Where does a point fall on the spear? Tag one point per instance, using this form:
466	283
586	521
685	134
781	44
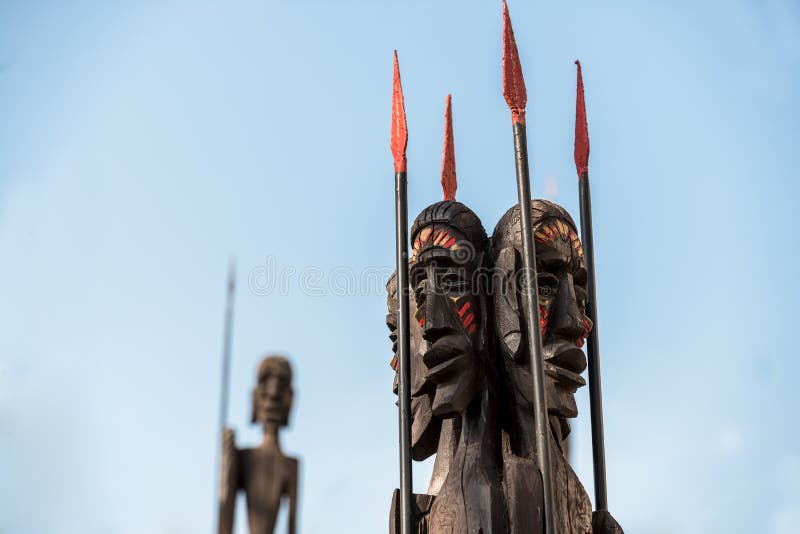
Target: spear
593	342
226	361
516	98
399	141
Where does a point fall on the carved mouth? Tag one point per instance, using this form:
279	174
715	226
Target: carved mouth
445	369
273	409
565	361
568	379
445	358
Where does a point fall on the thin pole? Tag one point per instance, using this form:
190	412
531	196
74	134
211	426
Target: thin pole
532	322
227	341
404	363
593	350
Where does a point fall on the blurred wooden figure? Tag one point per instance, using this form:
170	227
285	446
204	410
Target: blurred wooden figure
266	475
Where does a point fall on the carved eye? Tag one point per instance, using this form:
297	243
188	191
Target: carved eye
419	291
456	286
548	285
453	282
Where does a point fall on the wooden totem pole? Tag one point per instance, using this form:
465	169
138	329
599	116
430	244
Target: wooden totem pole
494	354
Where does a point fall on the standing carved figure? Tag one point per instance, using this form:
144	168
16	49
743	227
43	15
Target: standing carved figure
453	316
564	326
266	475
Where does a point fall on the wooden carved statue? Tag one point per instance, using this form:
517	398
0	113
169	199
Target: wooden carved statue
471	385
474	409
264	473
562	277
488	370
456	391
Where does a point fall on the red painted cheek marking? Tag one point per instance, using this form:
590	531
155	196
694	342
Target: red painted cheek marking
586	330
544	317
468	320
421	321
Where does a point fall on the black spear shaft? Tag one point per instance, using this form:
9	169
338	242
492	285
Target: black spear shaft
593	349
398	143
593	343
403	350
532	320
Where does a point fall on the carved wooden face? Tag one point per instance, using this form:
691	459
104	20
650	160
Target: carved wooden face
425	429
272	396
416	343
450	314
562	300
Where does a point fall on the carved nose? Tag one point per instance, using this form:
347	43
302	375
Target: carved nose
566	317
273	388
439	319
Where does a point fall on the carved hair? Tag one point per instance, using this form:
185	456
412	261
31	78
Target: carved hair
507	231
453	214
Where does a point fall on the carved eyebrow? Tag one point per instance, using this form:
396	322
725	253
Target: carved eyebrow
440	236
439	260
555	261
572	262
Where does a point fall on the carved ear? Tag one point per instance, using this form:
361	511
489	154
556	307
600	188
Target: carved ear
506	306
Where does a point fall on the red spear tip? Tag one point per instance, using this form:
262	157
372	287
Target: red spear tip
449	183
513	83
399	139
581	129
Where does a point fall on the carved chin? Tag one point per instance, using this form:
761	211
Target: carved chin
452	398
561	401
273	414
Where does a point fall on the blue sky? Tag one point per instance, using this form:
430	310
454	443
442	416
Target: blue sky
143	143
